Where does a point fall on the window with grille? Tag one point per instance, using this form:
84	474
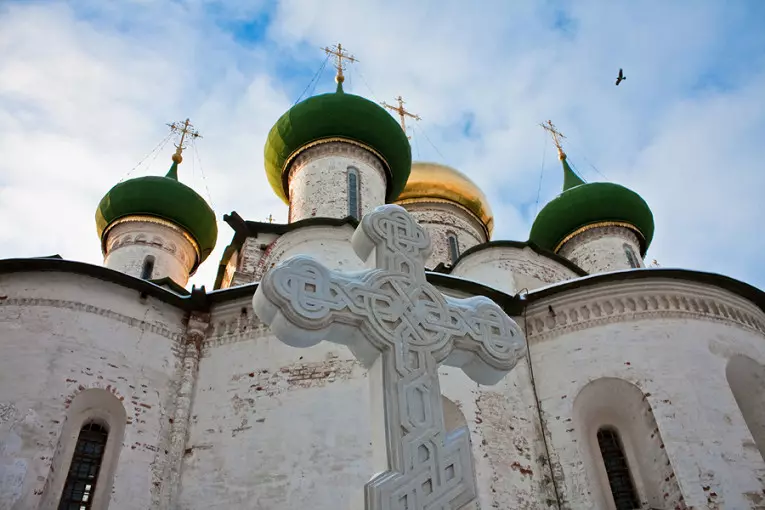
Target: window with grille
148	267
619	476
631	258
353	193
454	247
83	472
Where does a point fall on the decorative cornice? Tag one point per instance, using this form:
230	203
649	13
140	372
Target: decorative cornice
600	224
76	306
150	219
578	310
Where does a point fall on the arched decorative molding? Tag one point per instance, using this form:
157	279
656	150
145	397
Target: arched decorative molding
619	405
746	378
90	405
608	304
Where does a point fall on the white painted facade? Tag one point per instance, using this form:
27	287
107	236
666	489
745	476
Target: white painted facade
150	248
512	268
206	409
604	355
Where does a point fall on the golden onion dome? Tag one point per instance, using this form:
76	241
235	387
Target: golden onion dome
431	182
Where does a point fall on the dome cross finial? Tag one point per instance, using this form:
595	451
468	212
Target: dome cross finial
185	129
339	53
402	113
557	137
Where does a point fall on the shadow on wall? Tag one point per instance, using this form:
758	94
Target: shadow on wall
746	378
621	446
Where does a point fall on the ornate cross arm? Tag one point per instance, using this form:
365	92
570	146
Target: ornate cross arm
402	328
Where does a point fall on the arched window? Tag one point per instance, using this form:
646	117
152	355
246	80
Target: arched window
353	193
83	471
632	260
148	267
746	378
454	247
619	476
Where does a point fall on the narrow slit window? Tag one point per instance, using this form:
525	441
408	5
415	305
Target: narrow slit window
353	193
454	247
148	267
83	473
631	258
619	476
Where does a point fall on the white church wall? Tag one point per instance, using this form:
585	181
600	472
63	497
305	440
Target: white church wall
329	245
508	451
603	249
511	269
442	220
129	243
746	378
318	181
672	340
61	335
282	427
621	408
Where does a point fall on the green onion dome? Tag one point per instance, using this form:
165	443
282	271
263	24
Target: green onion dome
337	116
587	205
164	198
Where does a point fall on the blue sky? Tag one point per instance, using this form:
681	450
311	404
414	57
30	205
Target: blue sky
87	86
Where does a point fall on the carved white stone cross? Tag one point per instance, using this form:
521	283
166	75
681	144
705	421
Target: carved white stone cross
401	328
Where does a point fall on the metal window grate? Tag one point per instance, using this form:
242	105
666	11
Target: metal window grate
454	249
619	477
631	258
353	193
83	473
148	267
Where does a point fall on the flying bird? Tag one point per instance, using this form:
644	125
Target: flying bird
620	77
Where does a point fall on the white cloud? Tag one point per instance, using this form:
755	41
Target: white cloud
85	92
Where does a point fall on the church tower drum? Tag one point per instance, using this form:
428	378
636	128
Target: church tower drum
156	227
600	226
336	155
453	210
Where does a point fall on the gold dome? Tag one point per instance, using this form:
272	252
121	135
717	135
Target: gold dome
431	182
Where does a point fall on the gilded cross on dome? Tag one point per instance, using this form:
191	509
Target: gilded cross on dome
339	53
557	136
402	112
185	129
401	328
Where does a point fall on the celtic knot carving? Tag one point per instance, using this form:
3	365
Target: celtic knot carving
402	328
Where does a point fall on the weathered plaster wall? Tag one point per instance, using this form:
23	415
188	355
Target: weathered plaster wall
274	427
601	249
511	269
128	244
60	335
248	266
441	219
672	340
329	245
290	428
318	181
508	449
